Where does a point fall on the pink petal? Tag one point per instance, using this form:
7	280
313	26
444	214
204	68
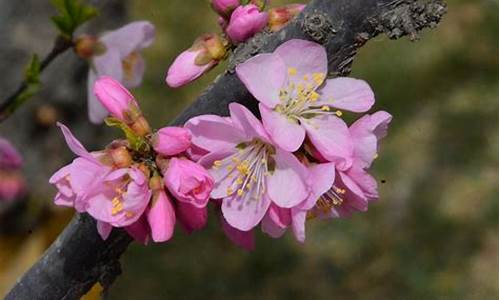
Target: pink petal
263	75
243	239
288	185
247	122
133	78
161	218
184	69
331	138
380	121
322	178
74	145
244	213
347	93
191	217
131	37
211	133
104	229
271	228
9	156
299	224
286	133
280	216
355	195
305	56
139	231
365	181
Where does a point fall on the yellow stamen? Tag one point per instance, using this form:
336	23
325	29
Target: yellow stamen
338	113
292	71
318	78
240	192
229	191
325	108
314	96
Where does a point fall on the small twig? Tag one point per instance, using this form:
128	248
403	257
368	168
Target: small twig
9	105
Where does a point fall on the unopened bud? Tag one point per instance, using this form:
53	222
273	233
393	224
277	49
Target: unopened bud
225	7
280	16
115	98
156	183
144	169
141	127
87	46
121	157
215	46
162	162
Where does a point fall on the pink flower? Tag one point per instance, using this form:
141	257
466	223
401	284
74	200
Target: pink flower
161	217
115	97
196	61
9	157
188	182
250	172
355	187
225	7
295	99
121	60
170	141
191	217
245	22
75	180
12	185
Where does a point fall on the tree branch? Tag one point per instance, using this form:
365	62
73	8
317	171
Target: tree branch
79	258
10	104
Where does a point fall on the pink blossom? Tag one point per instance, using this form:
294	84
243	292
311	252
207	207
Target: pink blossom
82	175
121	60
170	141
161	217
188	182
225	7
191	217
12	185
245	22
250	172
114	97
205	53
355	187
9	156
295	99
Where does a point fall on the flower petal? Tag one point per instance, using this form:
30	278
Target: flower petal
133	36
139	230
288	186
286	133
212	133
133	77
244	213
243	239
263	75
74	145
347	93
304	56
322	178
247	122
161	218
191	217
271	228
299	224
104	229
331	138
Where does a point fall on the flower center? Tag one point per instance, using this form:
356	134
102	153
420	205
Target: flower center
331	199
247	169
128	64
299	98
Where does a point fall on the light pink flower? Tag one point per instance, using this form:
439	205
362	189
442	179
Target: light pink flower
114	97
9	156
191	217
75	180
295	99
170	141
161	217
245	22
225	7
188	182
121	61
12	185
203	55
355	187
250	172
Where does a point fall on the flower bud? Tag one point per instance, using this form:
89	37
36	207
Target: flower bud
9	157
156	183
171	140
12	185
140	126
280	16
188	182
225	7
87	46
197	60
161	217
191	217
116	98
121	157
245	22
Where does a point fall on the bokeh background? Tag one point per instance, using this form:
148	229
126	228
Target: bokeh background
432	235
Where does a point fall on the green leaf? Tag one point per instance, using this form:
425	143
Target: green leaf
136	142
71	14
32	70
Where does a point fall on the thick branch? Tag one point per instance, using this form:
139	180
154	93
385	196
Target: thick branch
79	258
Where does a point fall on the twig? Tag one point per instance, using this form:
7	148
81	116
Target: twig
79	258
10	104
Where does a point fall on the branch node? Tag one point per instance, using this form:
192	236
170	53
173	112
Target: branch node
318	26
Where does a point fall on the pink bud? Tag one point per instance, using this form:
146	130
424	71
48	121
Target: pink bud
191	217
12	185
9	157
225	7
114	97
188	182
245	22
280	16
139	230
161	217
170	141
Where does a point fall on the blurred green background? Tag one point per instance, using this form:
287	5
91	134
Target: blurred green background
434	232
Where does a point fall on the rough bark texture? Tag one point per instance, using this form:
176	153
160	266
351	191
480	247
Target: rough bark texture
79	258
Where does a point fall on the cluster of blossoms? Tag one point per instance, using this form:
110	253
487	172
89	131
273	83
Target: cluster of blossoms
239	21
301	161
12	184
143	183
